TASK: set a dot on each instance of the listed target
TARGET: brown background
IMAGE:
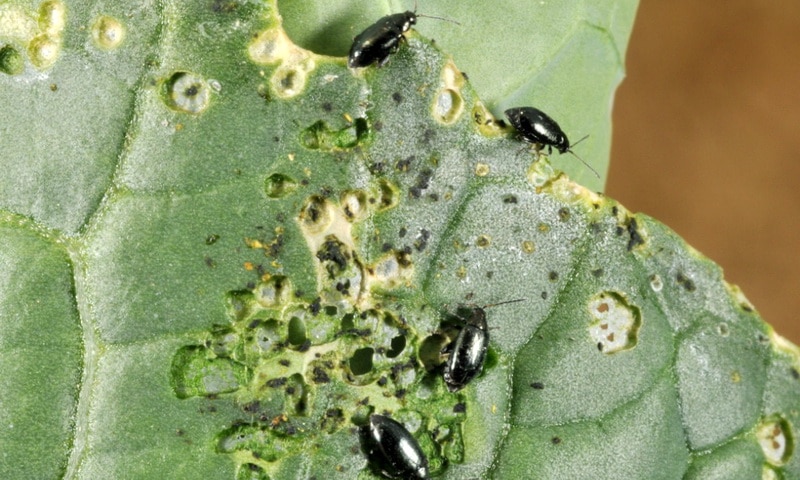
(707, 139)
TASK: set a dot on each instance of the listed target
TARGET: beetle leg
(383, 61)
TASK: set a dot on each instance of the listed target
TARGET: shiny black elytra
(536, 127)
(382, 38)
(468, 351)
(391, 450)
(379, 40)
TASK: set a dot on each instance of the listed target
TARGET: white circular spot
(655, 282)
(189, 92)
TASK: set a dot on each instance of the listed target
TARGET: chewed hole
(278, 185)
(187, 92)
(194, 373)
(347, 322)
(354, 204)
(297, 331)
(273, 291)
(316, 215)
(361, 361)
(398, 345)
(288, 81)
(430, 351)
(389, 194)
(615, 323)
(775, 437)
(325, 27)
(448, 106)
(11, 61)
(266, 335)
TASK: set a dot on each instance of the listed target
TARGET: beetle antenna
(439, 18)
(579, 158)
(503, 303)
(586, 164)
(579, 141)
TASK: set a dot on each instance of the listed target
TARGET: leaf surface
(222, 253)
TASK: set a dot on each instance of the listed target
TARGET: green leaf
(566, 58)
(222, 253)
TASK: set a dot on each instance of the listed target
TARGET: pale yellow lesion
(774, 437)
(52, 17)
(615, 322)
(768, 473)
(39, 33)
(739, 296)
(43, 51)
(448, 103)
(785, 347)
(482, 169)
(323, 220)
(563, 188)
(17, 24)
(487, 124)
(273, 46)
(108, 33)
(541, 174)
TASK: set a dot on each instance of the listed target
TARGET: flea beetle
(382, 38)
(536, 127)
(392, 450)
(468, 351)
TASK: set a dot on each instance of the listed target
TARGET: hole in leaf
(361, 361)
(278, 185)
(297, 331)
(430, 351)
(347, 322)
(398, 345)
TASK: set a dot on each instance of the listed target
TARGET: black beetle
(392, 450)
(382, 38)
(468, 351)
(536, 127)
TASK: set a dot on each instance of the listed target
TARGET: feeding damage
(615, 323)
(283, 358)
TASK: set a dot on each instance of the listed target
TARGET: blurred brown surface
(707, 139)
